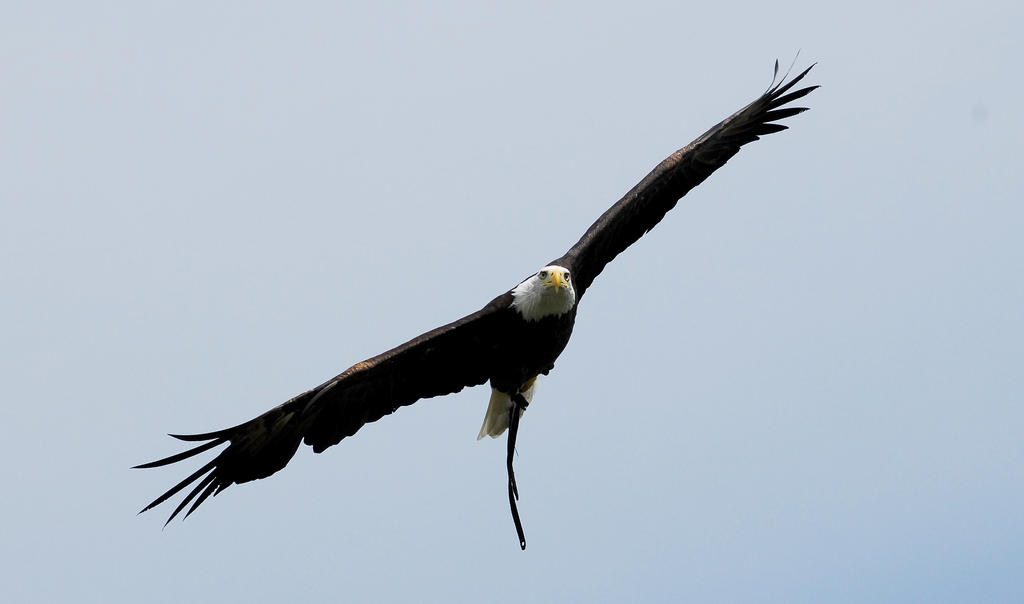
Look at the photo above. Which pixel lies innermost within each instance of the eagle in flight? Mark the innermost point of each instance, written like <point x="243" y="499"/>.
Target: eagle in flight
<point x="509" y="342"/>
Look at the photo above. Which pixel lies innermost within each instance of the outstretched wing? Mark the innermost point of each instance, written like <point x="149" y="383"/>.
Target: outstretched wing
<point x="646" y="203"/>
<point x="439" y="362"/>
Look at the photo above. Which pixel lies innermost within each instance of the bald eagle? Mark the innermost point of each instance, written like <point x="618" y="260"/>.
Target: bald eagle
<point x="509" y="342"/>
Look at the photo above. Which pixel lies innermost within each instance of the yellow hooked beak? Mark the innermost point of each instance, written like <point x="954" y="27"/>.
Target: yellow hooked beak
<point x="556" y="279"/>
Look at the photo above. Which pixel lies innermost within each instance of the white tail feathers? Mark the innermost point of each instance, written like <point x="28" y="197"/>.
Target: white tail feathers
<point x="497" y="417"/>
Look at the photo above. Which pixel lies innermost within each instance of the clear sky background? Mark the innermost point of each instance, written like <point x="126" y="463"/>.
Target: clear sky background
<point x="804" y="385"/>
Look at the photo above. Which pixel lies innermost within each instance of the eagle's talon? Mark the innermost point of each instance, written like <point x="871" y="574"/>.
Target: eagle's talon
<point x="520" y="401"/>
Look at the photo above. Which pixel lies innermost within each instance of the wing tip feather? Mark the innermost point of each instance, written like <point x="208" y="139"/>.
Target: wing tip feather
<point x="779" y="87"/>
<point x="180" y="456"/>
<point x="203" y="436"/>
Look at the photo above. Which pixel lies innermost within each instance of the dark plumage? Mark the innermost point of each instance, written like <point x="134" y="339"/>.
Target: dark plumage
<point x="496" y="343"/>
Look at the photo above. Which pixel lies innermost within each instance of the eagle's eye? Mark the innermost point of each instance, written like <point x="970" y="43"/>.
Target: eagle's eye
<point x="566" y="275"/>
<point x="543" y="275"/>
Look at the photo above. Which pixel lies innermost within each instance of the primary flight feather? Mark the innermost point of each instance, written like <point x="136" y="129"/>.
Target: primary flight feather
<point x="509" y="342"/>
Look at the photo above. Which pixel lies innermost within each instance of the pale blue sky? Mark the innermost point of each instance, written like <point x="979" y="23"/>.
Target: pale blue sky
<point x="803" y="386"/>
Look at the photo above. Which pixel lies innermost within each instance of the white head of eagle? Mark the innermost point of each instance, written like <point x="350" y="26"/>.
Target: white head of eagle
<point x="549" y="292"/>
